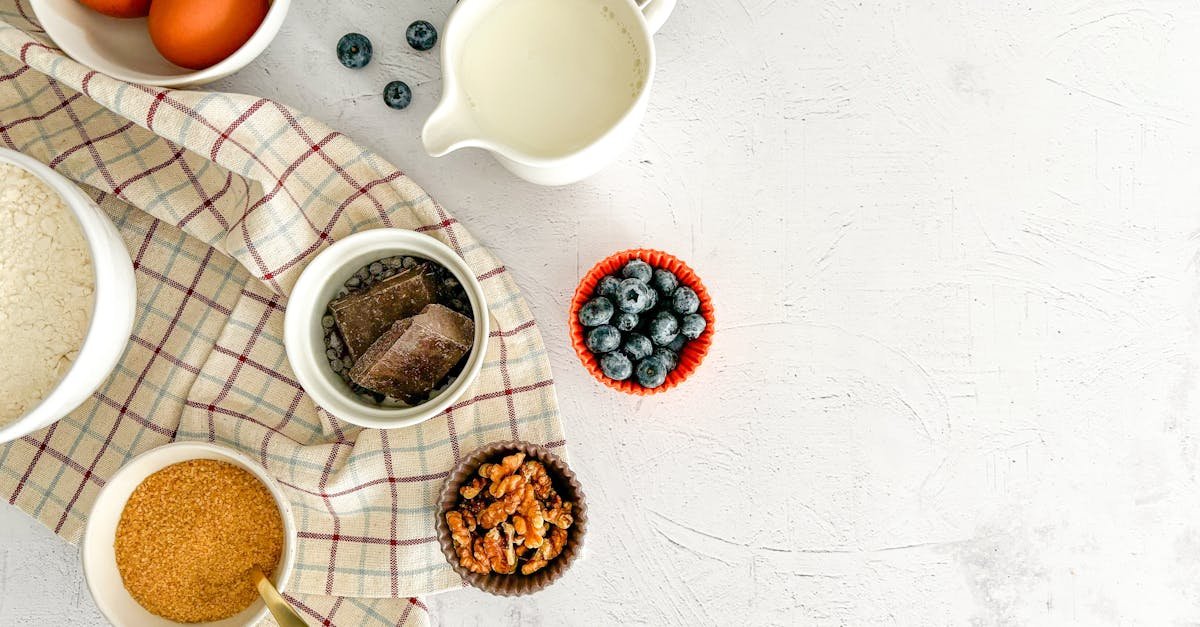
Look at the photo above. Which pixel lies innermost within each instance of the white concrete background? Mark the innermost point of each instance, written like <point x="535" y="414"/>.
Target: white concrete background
<point x="953" y="246"/>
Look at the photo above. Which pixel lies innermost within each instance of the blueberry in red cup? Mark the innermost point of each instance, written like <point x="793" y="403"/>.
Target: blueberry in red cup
<point x="608" y="286"/>
<point x="685" y="301"/>
<point x="652" y="371"/>
<point x="596" y="312"/>
<point x="634" y="296"/>
<point x="637" y="346"/>
<point x="603" y="339"/>
<point x="664" y="328"/>
<point x="669" y="357"/>
<point x="692" y="326"/>
<point x="616" y="366"/>
<point x="638" y="269"/>
<point x="665" y="282"/>
<point x="626" y="322"/>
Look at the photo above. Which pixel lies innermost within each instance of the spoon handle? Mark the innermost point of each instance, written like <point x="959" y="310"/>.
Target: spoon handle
<point x="280" y="608"/>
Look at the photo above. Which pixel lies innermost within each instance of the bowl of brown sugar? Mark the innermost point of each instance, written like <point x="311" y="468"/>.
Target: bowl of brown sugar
<point x="175" y="534"/>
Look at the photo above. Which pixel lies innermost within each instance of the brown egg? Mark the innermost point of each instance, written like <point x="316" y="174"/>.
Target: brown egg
<point x="196" y="34"/>
<point x="119" y="8"/>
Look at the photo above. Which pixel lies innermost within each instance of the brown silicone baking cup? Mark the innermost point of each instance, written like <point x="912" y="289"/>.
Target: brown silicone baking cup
<point x="693" y="352"/>
<point x="568" y="488"/>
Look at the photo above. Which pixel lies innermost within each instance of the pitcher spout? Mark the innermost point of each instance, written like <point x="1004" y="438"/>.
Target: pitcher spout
<point x="450" y="127"/>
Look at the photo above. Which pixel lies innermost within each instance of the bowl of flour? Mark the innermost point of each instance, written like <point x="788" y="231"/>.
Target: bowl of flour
<point x="67" y="296"/>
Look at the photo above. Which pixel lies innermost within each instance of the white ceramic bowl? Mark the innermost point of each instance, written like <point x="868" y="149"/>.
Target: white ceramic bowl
<point x="121" y="47"/>
<point x="113" y="303"/>
<point x="305" y="340"/>
<point x="99" y="558"/>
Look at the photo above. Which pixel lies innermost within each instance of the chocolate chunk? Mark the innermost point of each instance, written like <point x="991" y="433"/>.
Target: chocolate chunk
<point x="416" y="353"/>
<point x="364" y="316"/>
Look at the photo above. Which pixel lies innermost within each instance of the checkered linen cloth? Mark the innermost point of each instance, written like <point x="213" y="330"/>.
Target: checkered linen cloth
<point x="222" y="199"/>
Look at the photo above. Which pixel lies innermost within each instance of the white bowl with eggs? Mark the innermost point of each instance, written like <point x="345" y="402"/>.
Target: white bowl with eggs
<point x="98" y="552"/>
<point x="114" y="298"/>
<point x="122" y="48"/>
<point x="321" y="281"/>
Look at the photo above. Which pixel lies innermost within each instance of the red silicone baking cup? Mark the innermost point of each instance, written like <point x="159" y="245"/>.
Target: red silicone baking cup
<point x="693" y="352"/>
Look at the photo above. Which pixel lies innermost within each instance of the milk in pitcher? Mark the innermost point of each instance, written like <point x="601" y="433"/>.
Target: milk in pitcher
<point x="549" y="77"/>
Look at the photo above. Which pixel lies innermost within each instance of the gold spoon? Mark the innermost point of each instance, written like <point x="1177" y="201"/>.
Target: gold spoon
<point x="280" y="609"/>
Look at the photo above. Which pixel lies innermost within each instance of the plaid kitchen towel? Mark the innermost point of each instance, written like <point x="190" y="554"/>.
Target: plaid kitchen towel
<point x="222" y="199"/>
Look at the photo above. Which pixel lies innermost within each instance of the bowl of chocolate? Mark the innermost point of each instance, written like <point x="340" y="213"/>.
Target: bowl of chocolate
<point x="386" y="328"/>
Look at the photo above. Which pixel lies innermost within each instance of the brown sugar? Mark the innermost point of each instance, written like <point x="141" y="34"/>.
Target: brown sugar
<point x="189" y="536"/>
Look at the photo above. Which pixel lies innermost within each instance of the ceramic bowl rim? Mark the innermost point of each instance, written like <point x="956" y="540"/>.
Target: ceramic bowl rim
<point x="239" y="59"/>
<point x="112" y="270"/>
<point x="134" y="470"/>
<point x="305" y="309"/>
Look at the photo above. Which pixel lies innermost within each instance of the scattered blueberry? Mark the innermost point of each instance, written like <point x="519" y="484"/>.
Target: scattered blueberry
<point x="664" y="281"/>
<point x="608" y="286"/>
<point x="354" y="50"/>
<point x="596" y="312"/>
<point x="664" y="328"/>
<point x="616" y="366"/>
<point x="669" y="357"/>
<point x="421" y="35"/>
<point x="397" y="95"/>
<point x="652" y="371"/>
<point x="634" y="296"/>
<point x="638" y="346"/>
<point x="676" y="345"/>
<point x="685" y="301"/>
<point x="626" y="321"/>
<point x="637" y="269"/>
<point x="603" y="339"/>
<point x="692" y="326"/>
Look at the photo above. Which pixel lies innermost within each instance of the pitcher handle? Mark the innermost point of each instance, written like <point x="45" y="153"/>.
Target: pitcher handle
<point x="656" y="12"/>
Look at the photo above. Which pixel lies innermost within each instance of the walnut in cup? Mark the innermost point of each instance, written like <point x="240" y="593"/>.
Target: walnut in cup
<point x="509" y="518"/>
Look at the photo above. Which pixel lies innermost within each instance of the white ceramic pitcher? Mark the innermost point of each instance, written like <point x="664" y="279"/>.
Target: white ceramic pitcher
<point x="452" y="125"/>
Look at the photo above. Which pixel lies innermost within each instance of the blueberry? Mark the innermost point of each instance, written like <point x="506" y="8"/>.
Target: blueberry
<point x="397" y="95"/>
<point x="596" y="312"/>
<point x="637" y="269"/>
<point x="626" y="322"/>
<point x="608" y="286"/>
<point x="664" y="281"/>
<point x="354" y="50"/>
<point x="421" y="35"/>
<point x="616" y="366"/>
<point x="669" y="357"/>
<point x="685" y="300"/>
<point x="635" y="296"/>
<point x="638" y="346"/>
<point x="664" y="328"/>
<point x="692" y="326"/>
<point x="603" y="339"/>
<point x="652" y="371"/>
<point x="677" y="344"/>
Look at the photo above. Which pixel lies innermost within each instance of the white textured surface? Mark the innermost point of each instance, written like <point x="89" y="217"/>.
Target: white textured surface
<point x="953" y="248"/>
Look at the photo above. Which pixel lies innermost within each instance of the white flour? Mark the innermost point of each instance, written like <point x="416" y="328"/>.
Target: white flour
<point x="46" y="285"/>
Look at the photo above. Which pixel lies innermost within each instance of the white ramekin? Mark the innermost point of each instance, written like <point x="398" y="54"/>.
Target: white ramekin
<point x="113" y="303"/>
<point x="99" y="557"/>
<point x="121" y="47"/>
<point x="304" y="337"/>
